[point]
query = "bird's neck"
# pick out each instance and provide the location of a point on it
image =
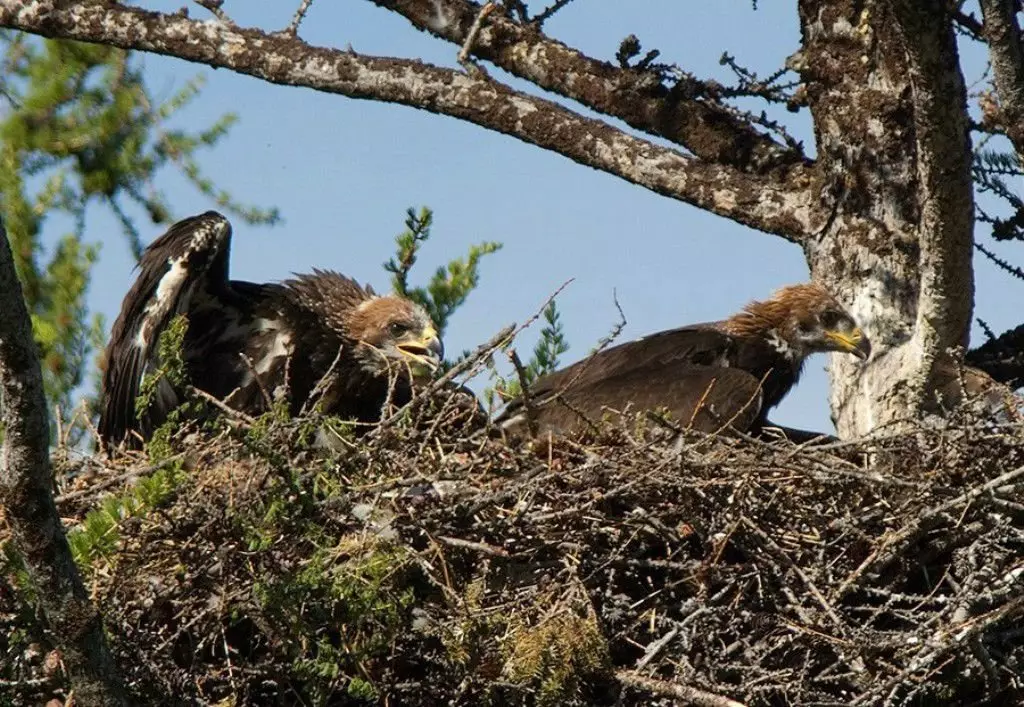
(769, 331)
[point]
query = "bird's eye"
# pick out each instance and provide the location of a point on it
(397, 329)
(830, 319)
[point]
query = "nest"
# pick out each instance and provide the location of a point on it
(424, 565)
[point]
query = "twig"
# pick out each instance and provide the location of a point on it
(115, 480)
(300, 14)
(918, 525)
(692, 695)
(546, 14)
(524, 393)
(654, 648)
(786, 560)
(222, 406)
(214, 6)
(471, 36)
(259, 381)
(320, 389)
(482, 548)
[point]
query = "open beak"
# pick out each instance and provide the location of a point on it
(424, 351)
(854, 341)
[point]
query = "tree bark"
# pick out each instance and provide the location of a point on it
(896, 219)
(30, 510)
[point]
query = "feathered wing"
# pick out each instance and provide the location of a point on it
(705, 398)
(626, 368)
(190, 259)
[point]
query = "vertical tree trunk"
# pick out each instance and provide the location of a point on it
(895, 234)
(29, 507)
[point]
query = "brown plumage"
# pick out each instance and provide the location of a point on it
(708, 376)
(318, 338)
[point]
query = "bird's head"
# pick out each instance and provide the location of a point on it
(395, 333)
(801, 320)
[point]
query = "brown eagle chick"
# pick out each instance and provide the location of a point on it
(709, 377)
(318, 339)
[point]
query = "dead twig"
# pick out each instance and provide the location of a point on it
(474, 31)
(300, 14)
(482, 548)
(692, 695)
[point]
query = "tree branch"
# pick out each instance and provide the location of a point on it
(1002, 33)
(946, 226)
(1002, 357)
(29, 507)
(686, 113)
(765, 202)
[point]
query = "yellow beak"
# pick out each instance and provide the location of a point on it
(854, 342)
(424, 351)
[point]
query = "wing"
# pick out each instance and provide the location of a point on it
(704, 398)
(694, 345)
(190, 258)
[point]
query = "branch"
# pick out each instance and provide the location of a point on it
(27, 500)
(1002, 357)
(946, 226)
(690, 695)
(1002, 33)
(686, 114)
(764, 202)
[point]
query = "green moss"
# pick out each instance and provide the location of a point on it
(560, 655)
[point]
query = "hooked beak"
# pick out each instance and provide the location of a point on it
(854, 342)
(425, 351)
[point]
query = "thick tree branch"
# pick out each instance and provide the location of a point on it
(680, 114)
(766, 202)
(1002, 33)
(946, 224)
(1002, 357)
(29, 507)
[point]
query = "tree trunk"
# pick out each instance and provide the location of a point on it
(25, 482)
(889, 106)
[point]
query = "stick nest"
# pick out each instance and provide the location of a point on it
(422, 565)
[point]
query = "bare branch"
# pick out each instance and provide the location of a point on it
(300, 15)
(27, 499)
(1002, 32)
(216, 9)
(691, 695)
(474, 31)
(686, 113)
(765, 202)
(546, 14)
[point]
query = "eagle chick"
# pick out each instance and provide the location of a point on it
(709, 377)
(317, 339)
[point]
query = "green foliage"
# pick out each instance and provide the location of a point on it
(450, 285)
(80, 126)
(995, 175)
(97, 538)
(354, 586)
(170, 349)
(545, 359)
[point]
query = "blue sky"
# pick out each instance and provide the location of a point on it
(342, 172)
